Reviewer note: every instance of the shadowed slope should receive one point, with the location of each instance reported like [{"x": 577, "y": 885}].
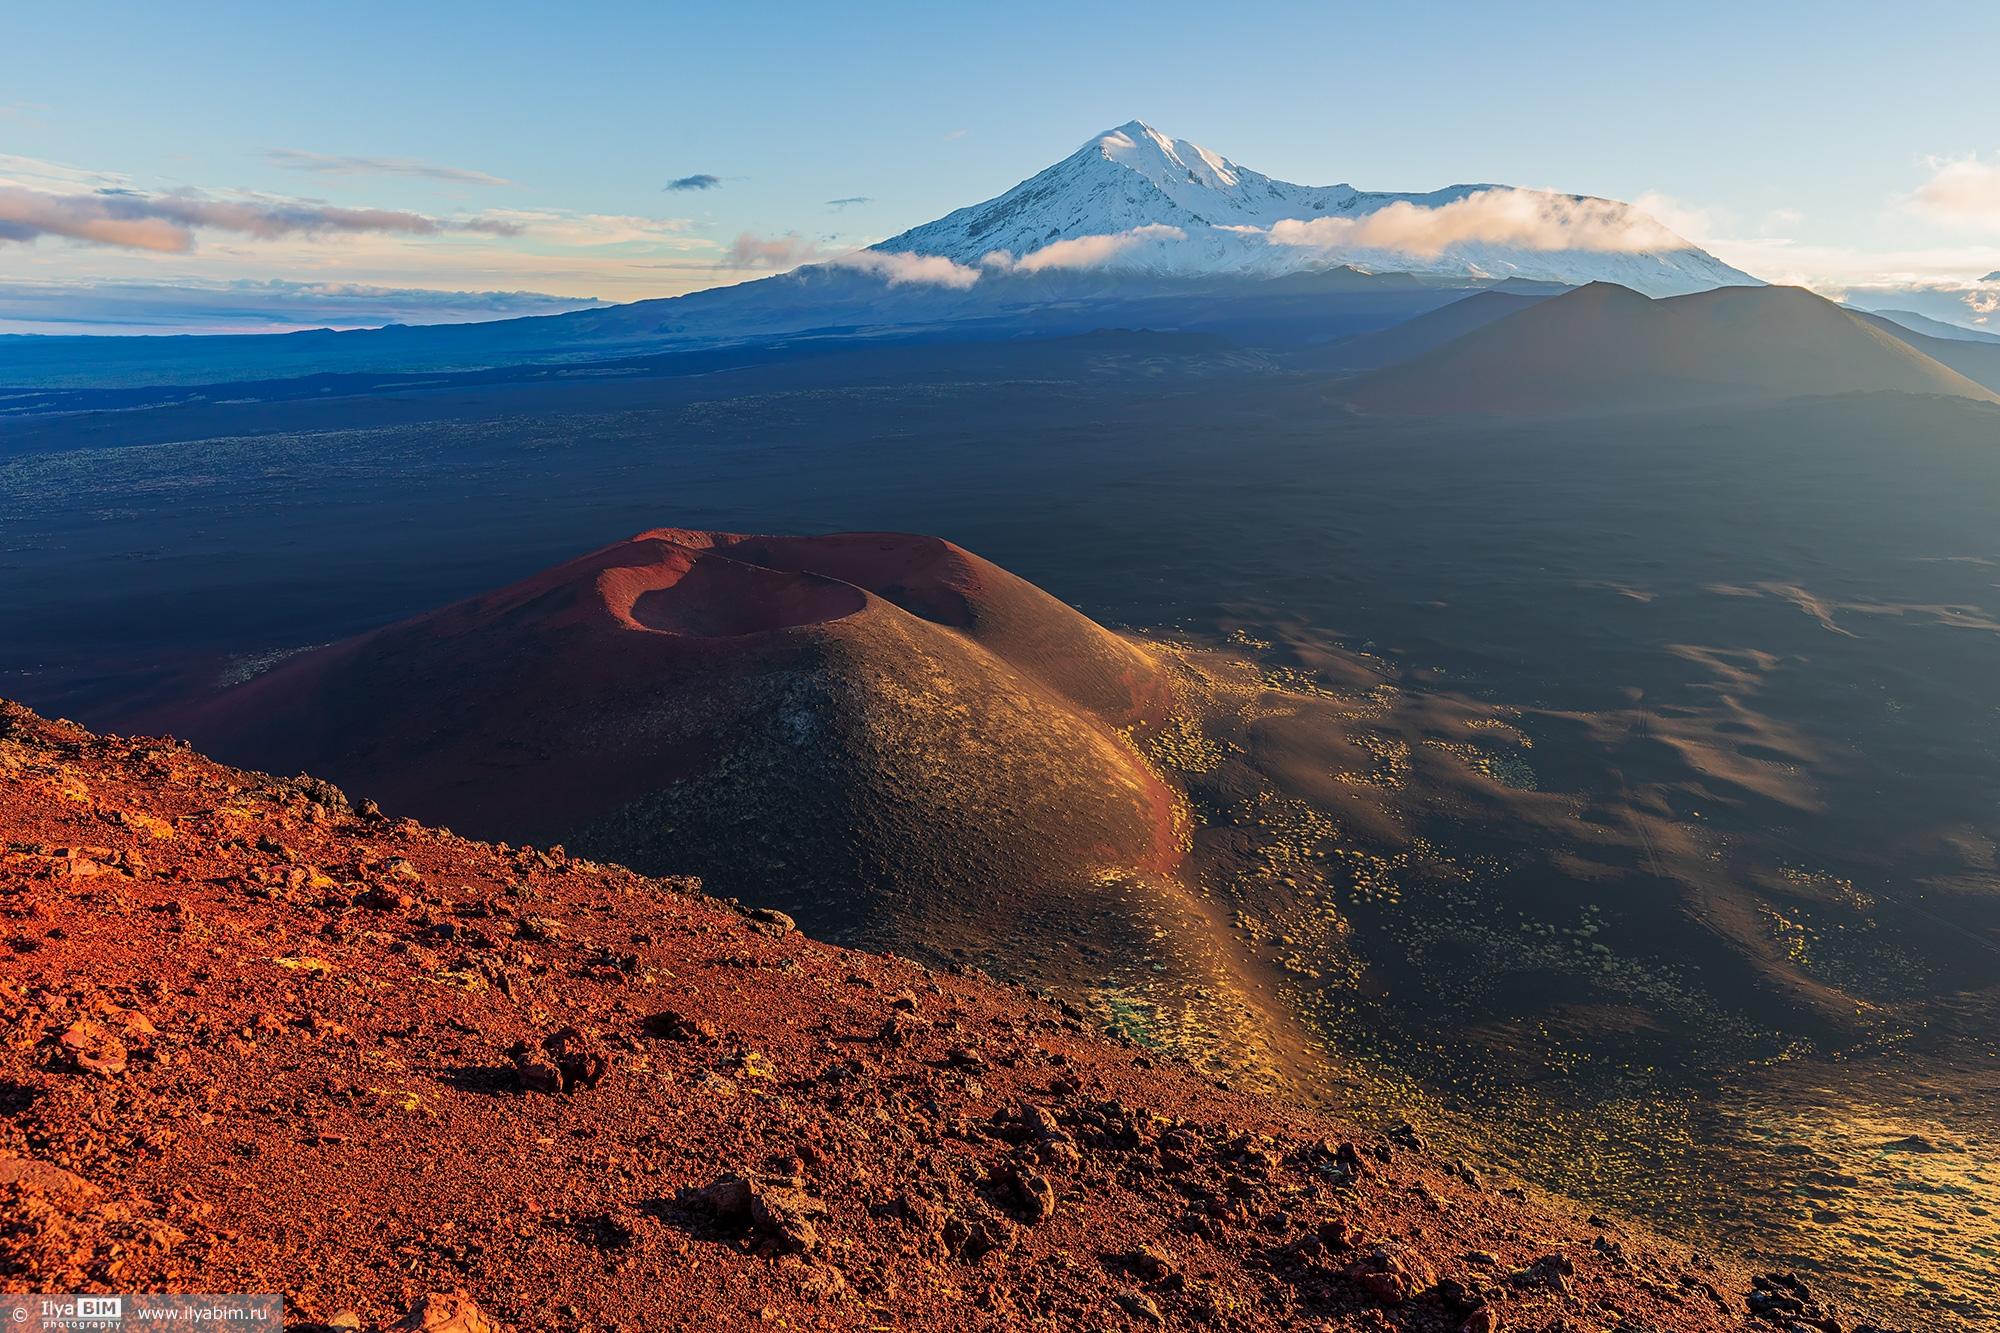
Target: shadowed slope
[
  {"x": 1426, "y": 333},
  {"x": 1976, "y": 358},
  {"x": 1603, "y": 347}
]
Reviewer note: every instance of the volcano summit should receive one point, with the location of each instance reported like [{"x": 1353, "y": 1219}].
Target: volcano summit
[
  {"x": 1134, "y": 199},
  {"x": 855, "y": 727}
]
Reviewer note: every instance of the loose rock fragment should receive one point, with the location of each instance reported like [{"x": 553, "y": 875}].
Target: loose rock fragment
[
  {"x": 728, "y": 1199},
  {"x": 566, "y": 1060},
  {"x": 1551, "y": 1270},
  {"x": 789, "y": 1215},
  {"x": 1391, "y": 1274},
  {"x": 31, "y": 1176},
  {"x": 449, "y": 1313},
  {"x": 680, "y": 1027},
  {"x": 971, "y": 1238},
  {"x": 1141, "y": 1307},
  {"x": 1037, "y": 1196},
  {"x": 1152, "y": 1265},
  {"x": 93, "y": 1048}
]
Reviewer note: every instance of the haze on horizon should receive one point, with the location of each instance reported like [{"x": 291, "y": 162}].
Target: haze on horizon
[{"x": 234, "y": 169}]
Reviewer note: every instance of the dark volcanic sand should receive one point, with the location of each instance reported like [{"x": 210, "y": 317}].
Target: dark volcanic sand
[{"x": 1755, "y": 648}]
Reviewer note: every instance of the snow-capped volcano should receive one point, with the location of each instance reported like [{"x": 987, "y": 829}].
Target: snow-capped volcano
[{"x": 1134, "y": 199}]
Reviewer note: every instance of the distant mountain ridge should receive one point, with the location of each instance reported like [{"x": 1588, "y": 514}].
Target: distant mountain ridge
[
  {"x": 1603, "y": 348},
  {"x": 1935, "y": 328},
  {"x": 1179, "y": 209},
  {"x": 1134, "y": 229}
]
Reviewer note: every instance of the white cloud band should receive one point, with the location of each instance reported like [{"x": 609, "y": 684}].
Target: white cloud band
[{"x": 1519, "y": 219}]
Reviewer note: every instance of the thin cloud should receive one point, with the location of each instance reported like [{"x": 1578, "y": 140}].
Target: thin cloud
[
  {"x": 269, "y": 305},
  {"x": 1682, "y": 219},
  {"x": 599, "y": 229},
  {"x": 328, "y": 164},
  {"x": 1795, "y": 263},
  {"x": 1084, "y": 251},
  {"x": 790, "y": 251},
  {"x": 775, "y": 252},
  {"x": 1702, "y": 224},
  {"x": 956, "y": 134},
  {"x": 698, "y": 181},
  {"x": 1962, "y": 192},
  {"x": 899, "y": 268},
  {"x": 850, "y": 201},
  {"x": 1522, "y": 219},
  {"x": 167, "y": 223},
  {"x": 35, "y": 174}
]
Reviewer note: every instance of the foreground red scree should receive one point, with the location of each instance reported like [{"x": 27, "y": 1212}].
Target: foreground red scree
[{"x": 258, "y": 1040}]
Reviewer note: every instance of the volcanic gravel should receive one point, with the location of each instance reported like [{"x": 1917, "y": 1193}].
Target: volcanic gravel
[{"x": 255, "y": 1039}]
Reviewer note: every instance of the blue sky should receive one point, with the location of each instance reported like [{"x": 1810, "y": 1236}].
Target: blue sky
[{"x": 1791, "y": 139}]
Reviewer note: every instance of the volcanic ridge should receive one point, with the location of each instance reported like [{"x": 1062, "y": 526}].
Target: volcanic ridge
[
  {"x": 258, "y": 1038},
  {"x": 854, "y": 727}
]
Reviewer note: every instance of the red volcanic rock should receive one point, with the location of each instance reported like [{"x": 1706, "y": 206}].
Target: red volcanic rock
[
  {"x": 93, "y": 1047},
  {"x": 856, "y": 728},
  {"x": 448, "y": 1313},
  {"x": 327, "y": 1108}
]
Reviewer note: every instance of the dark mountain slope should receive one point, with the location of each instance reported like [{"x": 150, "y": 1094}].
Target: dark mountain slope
[
  {"x": 1978, "y": 360},
  {"x": 1426, "y": 333},
  {"x": 1604, "y": 348}
]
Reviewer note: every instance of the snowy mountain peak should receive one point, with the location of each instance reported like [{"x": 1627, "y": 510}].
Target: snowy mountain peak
[
  {"x": 1141, "y": 148},
  {"x": 1135, "y": 199}
]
